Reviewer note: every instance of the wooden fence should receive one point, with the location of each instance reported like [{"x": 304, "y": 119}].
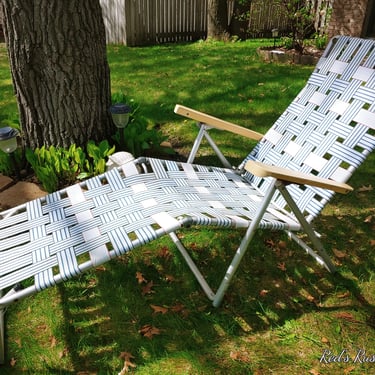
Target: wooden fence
[
  {"x": 265, "y": 15},
  {"x": 143, "y": 22}
]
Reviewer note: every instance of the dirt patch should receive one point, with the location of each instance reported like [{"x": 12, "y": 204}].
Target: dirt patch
[{"x": 19, "y": 193}]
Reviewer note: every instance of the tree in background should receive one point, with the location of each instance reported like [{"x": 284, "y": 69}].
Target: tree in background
[
  {"x": 57, "y": 53},
  {"x": 217, "y": 19}
]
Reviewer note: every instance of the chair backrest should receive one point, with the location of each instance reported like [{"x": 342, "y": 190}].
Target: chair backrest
[{"x": 329, "y": 128}]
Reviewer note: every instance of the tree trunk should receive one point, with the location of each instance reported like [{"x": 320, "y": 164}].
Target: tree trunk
[
  {"x": 239, "y": 22},
  {"x": 217, "y": 20},
  {"x": 57, "y": 53}
]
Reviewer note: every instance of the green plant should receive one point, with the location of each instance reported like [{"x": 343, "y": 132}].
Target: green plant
[
  {"x": 138, "y": 137},
  {"x": 53, "y": 166},
  {"x": 57, "y": 166},
  {"x": 6, "y": 167},
  {"x": 321, "y": 41},
  {"x": 97, "y": 154},
  {"x": 301, "y": 18}
]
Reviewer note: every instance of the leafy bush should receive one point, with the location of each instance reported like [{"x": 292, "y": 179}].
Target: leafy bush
[
  {"x": 56, "y": 167},
  {"x": 138, "y": 136},
  {"x": 6, "y": 165}
]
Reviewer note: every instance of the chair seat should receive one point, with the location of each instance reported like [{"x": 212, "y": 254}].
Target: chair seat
[{"x": 110, "y": 214}]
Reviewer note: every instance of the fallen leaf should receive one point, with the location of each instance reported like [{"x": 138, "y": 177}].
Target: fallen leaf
[
  {"x": 324, "y": 340},
  {"x": 372, "y": 242},
  {"x": 363, "y": 189},
  {"x": 140, "y": 278},
  {"x": 346, "y": 316},
  {"x": 53, "y": 341},
  {"x": 281, "y": 266},
  {"x": 270, "y": 243},
  {"x": 349, "y": 369},
  {"x": 282, "y": 245},
  {"x": 239, "y": 356},
  {"x": 127, "y": 362},
  {"x": 12, "y": 362},
  {"x": 159, "y": 309},
  {"x": 147, "y": 289},
  {"x": 42, "y": 327},
  {"x": 170, "y": 278},
  {"x": 314, "y": 372},
  {"x": 263, "y": 292},
  {"x": 63, "y": 353},
  {"x": 338, "y": 253},
  {"x": 310, "y": 298},
  {"x": 149, "y": 331},
  {"x": 369, "y": 219},
  {"x": 164, "y": 253},
  {"x": 177, "y": 308},
  {"x": 343, "y": 295}
]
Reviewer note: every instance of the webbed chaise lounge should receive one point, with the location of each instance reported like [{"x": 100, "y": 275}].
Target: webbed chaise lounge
[{"x": 283, "y": 184}]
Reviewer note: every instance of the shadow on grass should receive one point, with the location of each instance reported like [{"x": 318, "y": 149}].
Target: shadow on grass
[{"x": 149, "y": 305}]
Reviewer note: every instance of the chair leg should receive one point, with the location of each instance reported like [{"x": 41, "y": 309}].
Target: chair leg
[
  {"x": 198, "y": 275},
  {"x": 243, "y": 246},
  {"x": 2, "y": 334},
  {"x": 323, "y": 256}
]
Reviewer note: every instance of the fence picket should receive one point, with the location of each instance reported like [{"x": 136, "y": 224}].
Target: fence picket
[{"x": 142, "y": 22}]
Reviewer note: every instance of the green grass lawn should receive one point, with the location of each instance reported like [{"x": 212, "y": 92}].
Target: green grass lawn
[{"x": 145, "y": 314}]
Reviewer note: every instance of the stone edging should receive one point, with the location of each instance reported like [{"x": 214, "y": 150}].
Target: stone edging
[{"x": 274, "y": 55}]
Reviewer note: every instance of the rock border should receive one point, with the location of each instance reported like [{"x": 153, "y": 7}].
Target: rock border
[{"x": 286, "y": 56}]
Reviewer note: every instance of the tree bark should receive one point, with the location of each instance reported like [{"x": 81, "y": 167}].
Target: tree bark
[
  {"x": 217, "y": 20},
  {"x": 57, "y": 53}
]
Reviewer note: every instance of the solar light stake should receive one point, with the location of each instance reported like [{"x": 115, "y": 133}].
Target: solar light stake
[
  {"x": 8, "y": 144},
  {"x": 275, "y": 34},
  {"x": 120, "y": 116}
]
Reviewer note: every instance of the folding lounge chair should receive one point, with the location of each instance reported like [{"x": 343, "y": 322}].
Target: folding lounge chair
[{"x": 283, "y": 184}]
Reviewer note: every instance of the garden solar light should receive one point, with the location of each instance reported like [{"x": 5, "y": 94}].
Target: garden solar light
[
  {"x": 8, "y": 139},
  {"x": 275, "y": 34},
  {"x": 120, "y": 114}
]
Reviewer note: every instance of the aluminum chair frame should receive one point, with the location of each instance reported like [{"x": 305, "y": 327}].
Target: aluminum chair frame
[{"x": 286, "y": 180}]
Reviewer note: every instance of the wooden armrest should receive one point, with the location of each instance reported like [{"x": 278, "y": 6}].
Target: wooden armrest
[
  {"x": 263, "y": 170},
  {"x": 216, "y": 122}
]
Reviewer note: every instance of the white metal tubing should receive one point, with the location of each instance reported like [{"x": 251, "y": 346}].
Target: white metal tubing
[
  {"x": 243, "y": 246},
  {"x": 201, "y": 280},
  {"x": 220, "y": 155},
  {"x": 306, "y": 226},
  {"x": 197, "y": 142},
  {"x": 2, "y": 329}
]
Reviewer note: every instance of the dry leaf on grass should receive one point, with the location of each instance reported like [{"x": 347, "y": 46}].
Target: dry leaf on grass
[
  {"x": 127, "y": 357},
  {"x": 240, "y": 356},
  {"x": 170, "y": 278},
  {"x": 53, "y": 341},
  {"x": 347, "y": 316},
  {"x": 164, "y": 253},
  {"x": 63, "y": 353},
  {"x": 363, "y": 189},
  {"x": 140, "y": 278},
  {"x": 159, "y": 309},
  {"x": 147, "y": 289},
  {"x": 149, "y": 331},
  {"x": 369, "y": 219},
  {"x": 338, "y": 253},
  {"x": 281, "y": 266}
]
